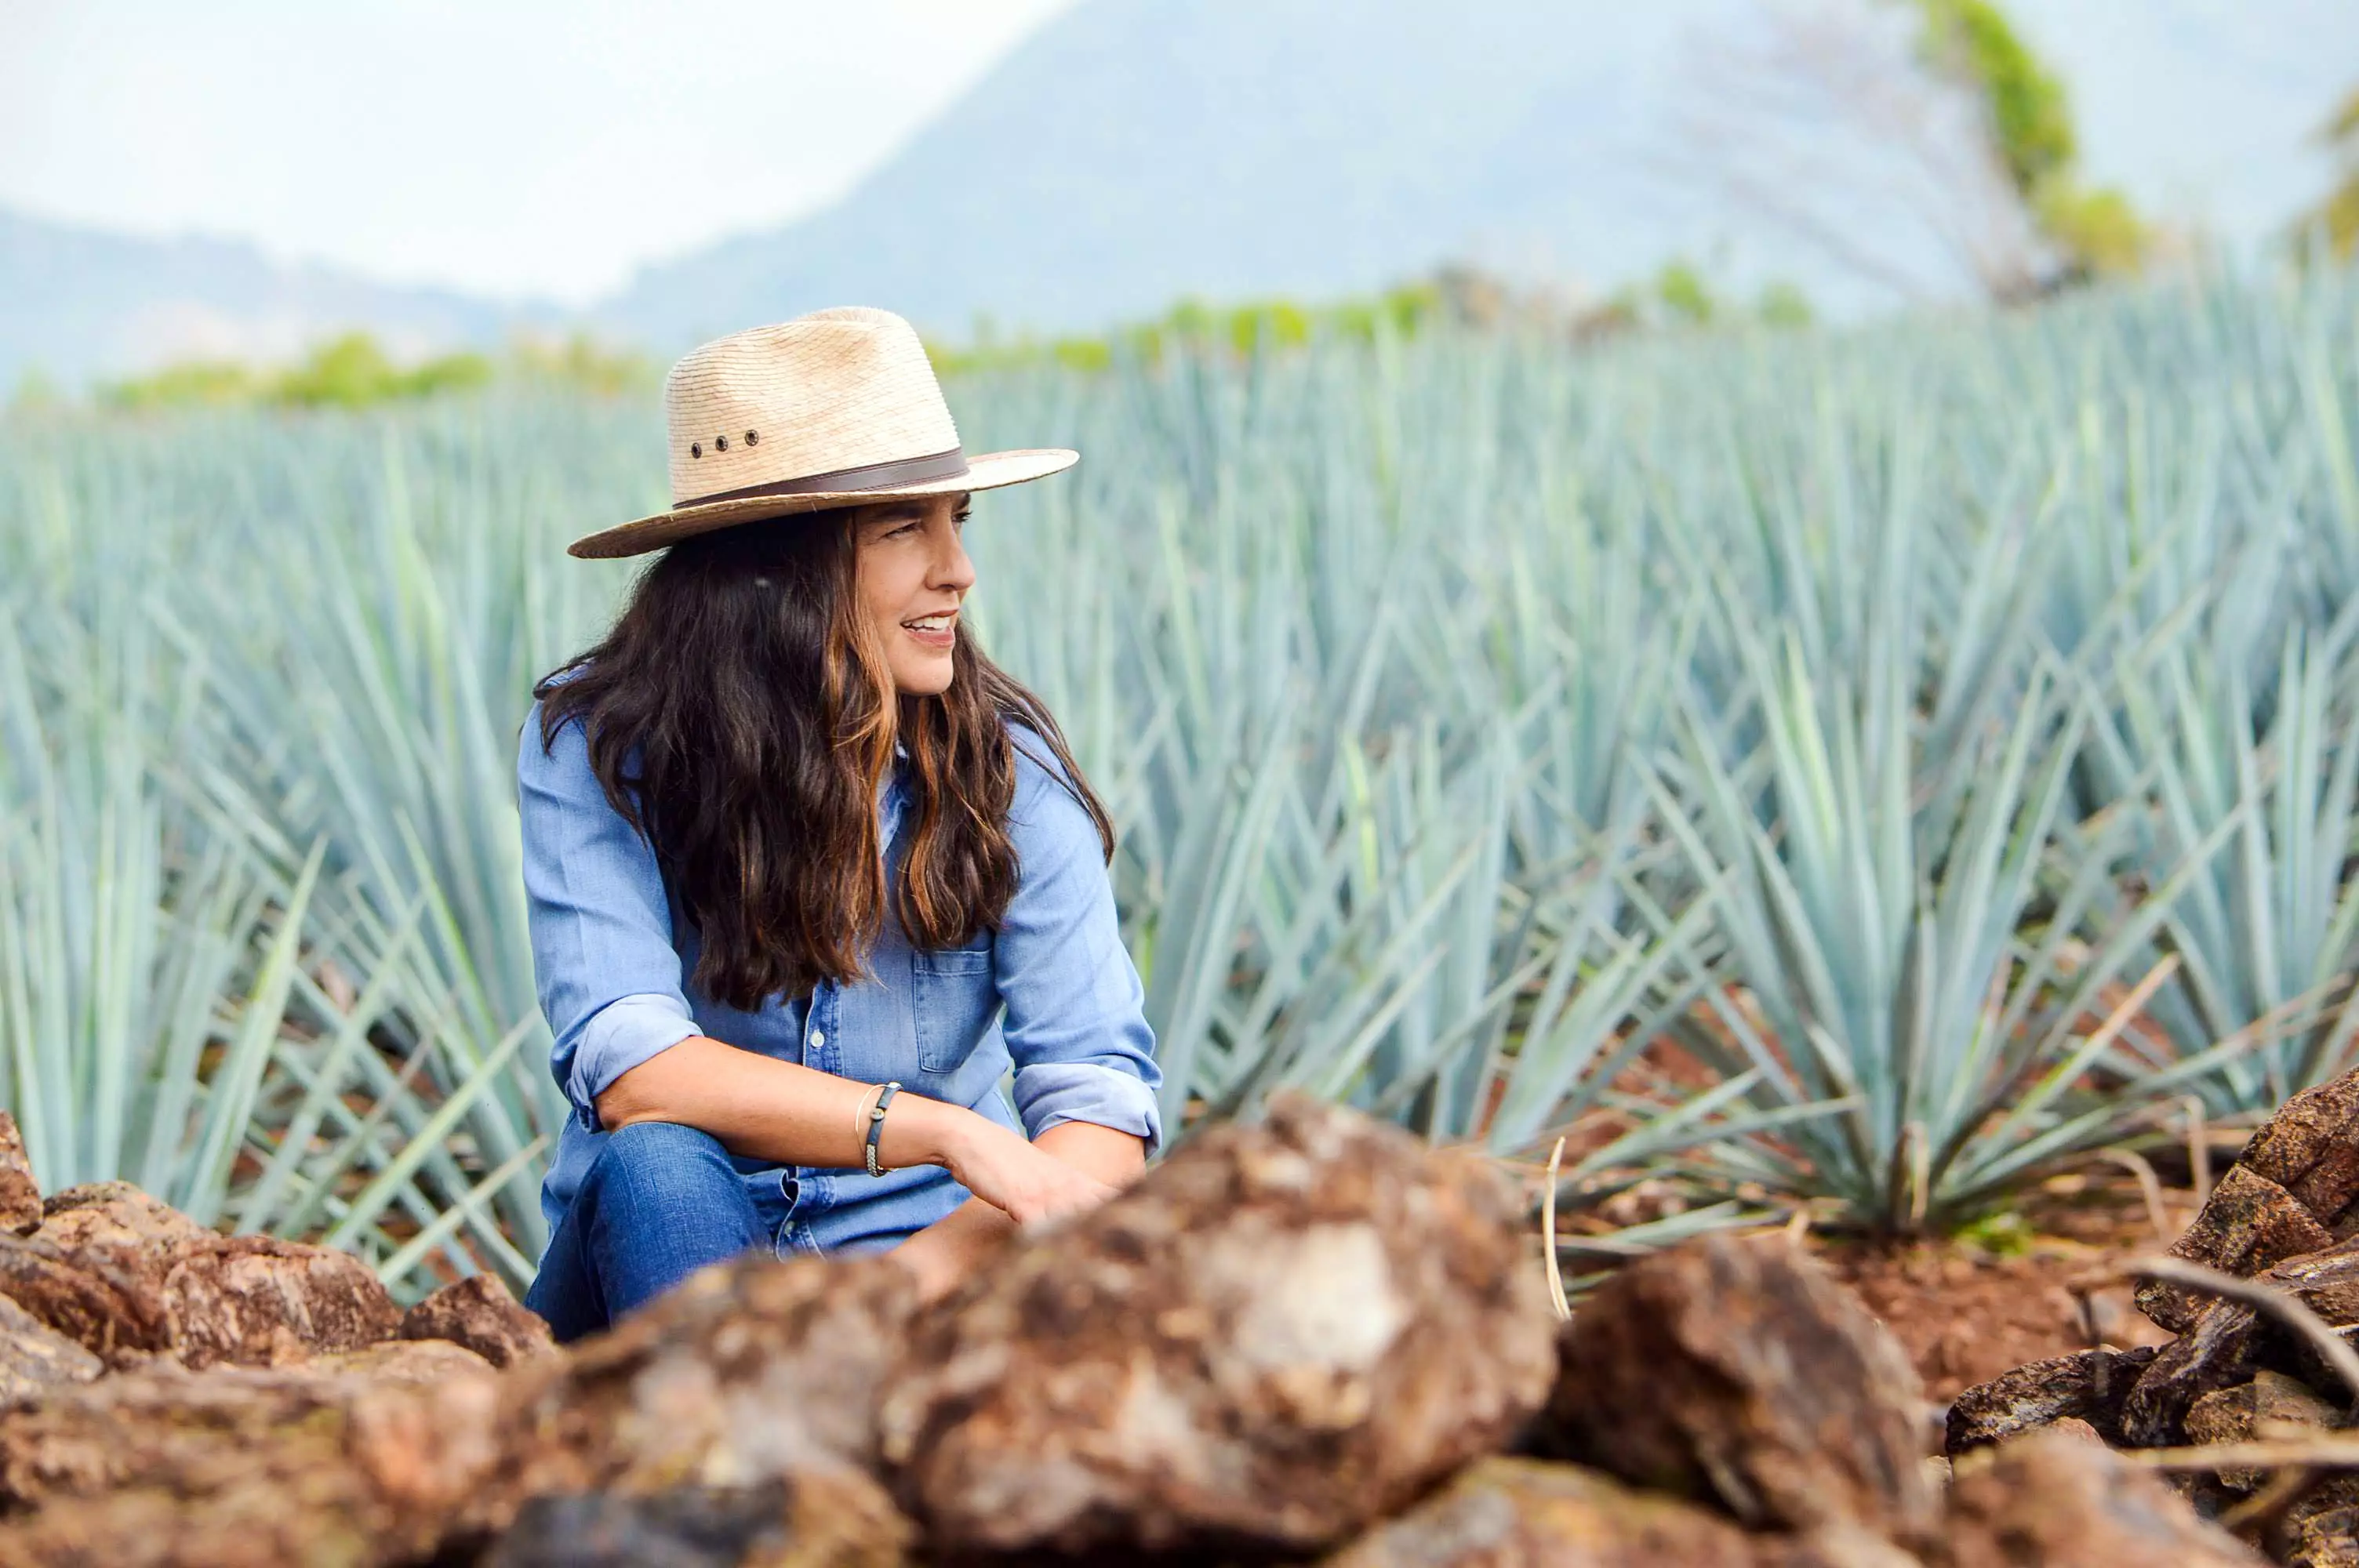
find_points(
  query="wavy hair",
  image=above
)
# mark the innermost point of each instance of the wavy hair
(756, 694)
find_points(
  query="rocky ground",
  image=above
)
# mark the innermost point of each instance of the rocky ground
(1313, 1340)
(2243, 1401)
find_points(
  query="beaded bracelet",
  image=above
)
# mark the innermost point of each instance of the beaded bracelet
(877, 1127)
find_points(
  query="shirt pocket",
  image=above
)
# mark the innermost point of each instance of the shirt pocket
(955, 998)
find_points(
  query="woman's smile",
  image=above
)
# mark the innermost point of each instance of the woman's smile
(937, 631)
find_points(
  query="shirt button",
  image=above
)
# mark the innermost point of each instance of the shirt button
(819, 1037)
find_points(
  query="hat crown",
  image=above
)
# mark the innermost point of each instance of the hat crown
(834, 390)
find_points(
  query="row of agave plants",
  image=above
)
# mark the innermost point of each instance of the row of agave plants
(1861, 767)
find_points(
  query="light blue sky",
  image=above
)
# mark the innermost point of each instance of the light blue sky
(520, 149)
(510, 148)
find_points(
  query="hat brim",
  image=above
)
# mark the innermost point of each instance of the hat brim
(988, 472)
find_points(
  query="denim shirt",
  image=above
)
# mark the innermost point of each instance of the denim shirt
(1051, 994)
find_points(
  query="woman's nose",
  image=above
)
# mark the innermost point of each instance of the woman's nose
(953, 568)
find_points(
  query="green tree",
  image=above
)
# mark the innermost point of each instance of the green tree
(2340, 211)
(35, 393)
(2027, 114)
(188, 385)
(579, 361)
(1784, 304)
(1684, 293)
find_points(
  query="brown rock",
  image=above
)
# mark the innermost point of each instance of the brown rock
(1279, 1334)
(239, 1467)
(2079, 1430)
(204, 1298)
(2090, 1385)
(837, 1519)
(303, 1522)
(2248, 1223)
(2225, 1349)
(749, 1372)
(20, 1195)
(1742, 1370)
(2327, 1280)
(110, 1304)
(2248, 1411)
(114, 1214)
(746, 1371)
(401, 1362)
(2329, 1539)
(2327, 1510)
(2310, 1148)
(479, 1313)
(163, 1424)
(2052, 1499)
(33, 1356)
(196, 1433)
(1524, 1513)
(260, 1301)
(1840, 1546)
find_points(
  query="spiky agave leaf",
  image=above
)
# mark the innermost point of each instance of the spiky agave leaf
(2265, 937)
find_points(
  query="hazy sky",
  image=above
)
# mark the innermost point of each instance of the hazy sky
(508, 147)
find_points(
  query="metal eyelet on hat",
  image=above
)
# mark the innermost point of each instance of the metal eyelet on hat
(751, 438)
(720, 443)
(695, 450)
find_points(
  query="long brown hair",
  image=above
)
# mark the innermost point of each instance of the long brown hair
(744, 673)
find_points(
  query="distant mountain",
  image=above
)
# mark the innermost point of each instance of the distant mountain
(1134, 152)
(79, 304)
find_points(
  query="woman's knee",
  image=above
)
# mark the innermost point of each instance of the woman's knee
(659, 1202)
(656, 1160)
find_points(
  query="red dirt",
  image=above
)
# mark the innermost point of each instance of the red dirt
(1966, 1314)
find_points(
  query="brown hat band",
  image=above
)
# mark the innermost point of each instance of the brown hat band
(869, 476)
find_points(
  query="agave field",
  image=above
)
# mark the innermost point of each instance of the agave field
(1858, 767)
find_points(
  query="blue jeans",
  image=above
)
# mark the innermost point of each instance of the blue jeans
(660, 1202)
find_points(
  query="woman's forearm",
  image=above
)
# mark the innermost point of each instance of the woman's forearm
(1114, 1158)
(780, 1111)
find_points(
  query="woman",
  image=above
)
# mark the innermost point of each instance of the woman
(807, 872)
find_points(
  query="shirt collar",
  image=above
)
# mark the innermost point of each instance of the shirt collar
(890, 794)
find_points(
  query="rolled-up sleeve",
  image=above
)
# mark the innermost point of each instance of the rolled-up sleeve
(608, 977)
(1076, 1023)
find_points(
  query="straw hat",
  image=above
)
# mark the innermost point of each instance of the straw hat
(829, 409)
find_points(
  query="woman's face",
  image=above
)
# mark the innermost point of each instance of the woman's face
(913, 573)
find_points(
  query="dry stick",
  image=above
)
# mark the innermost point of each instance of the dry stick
(2149, 1187)
(2327, 1451)
(2106, 1033)
(2262, 1510)
(1548, 1237)
(2286, 1307)
(2199, 1150)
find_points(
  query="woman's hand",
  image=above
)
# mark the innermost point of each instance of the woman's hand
(952, 1247)
(993, 1163)
(1025, 1182)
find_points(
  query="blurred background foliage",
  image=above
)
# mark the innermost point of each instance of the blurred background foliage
(354, 370)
